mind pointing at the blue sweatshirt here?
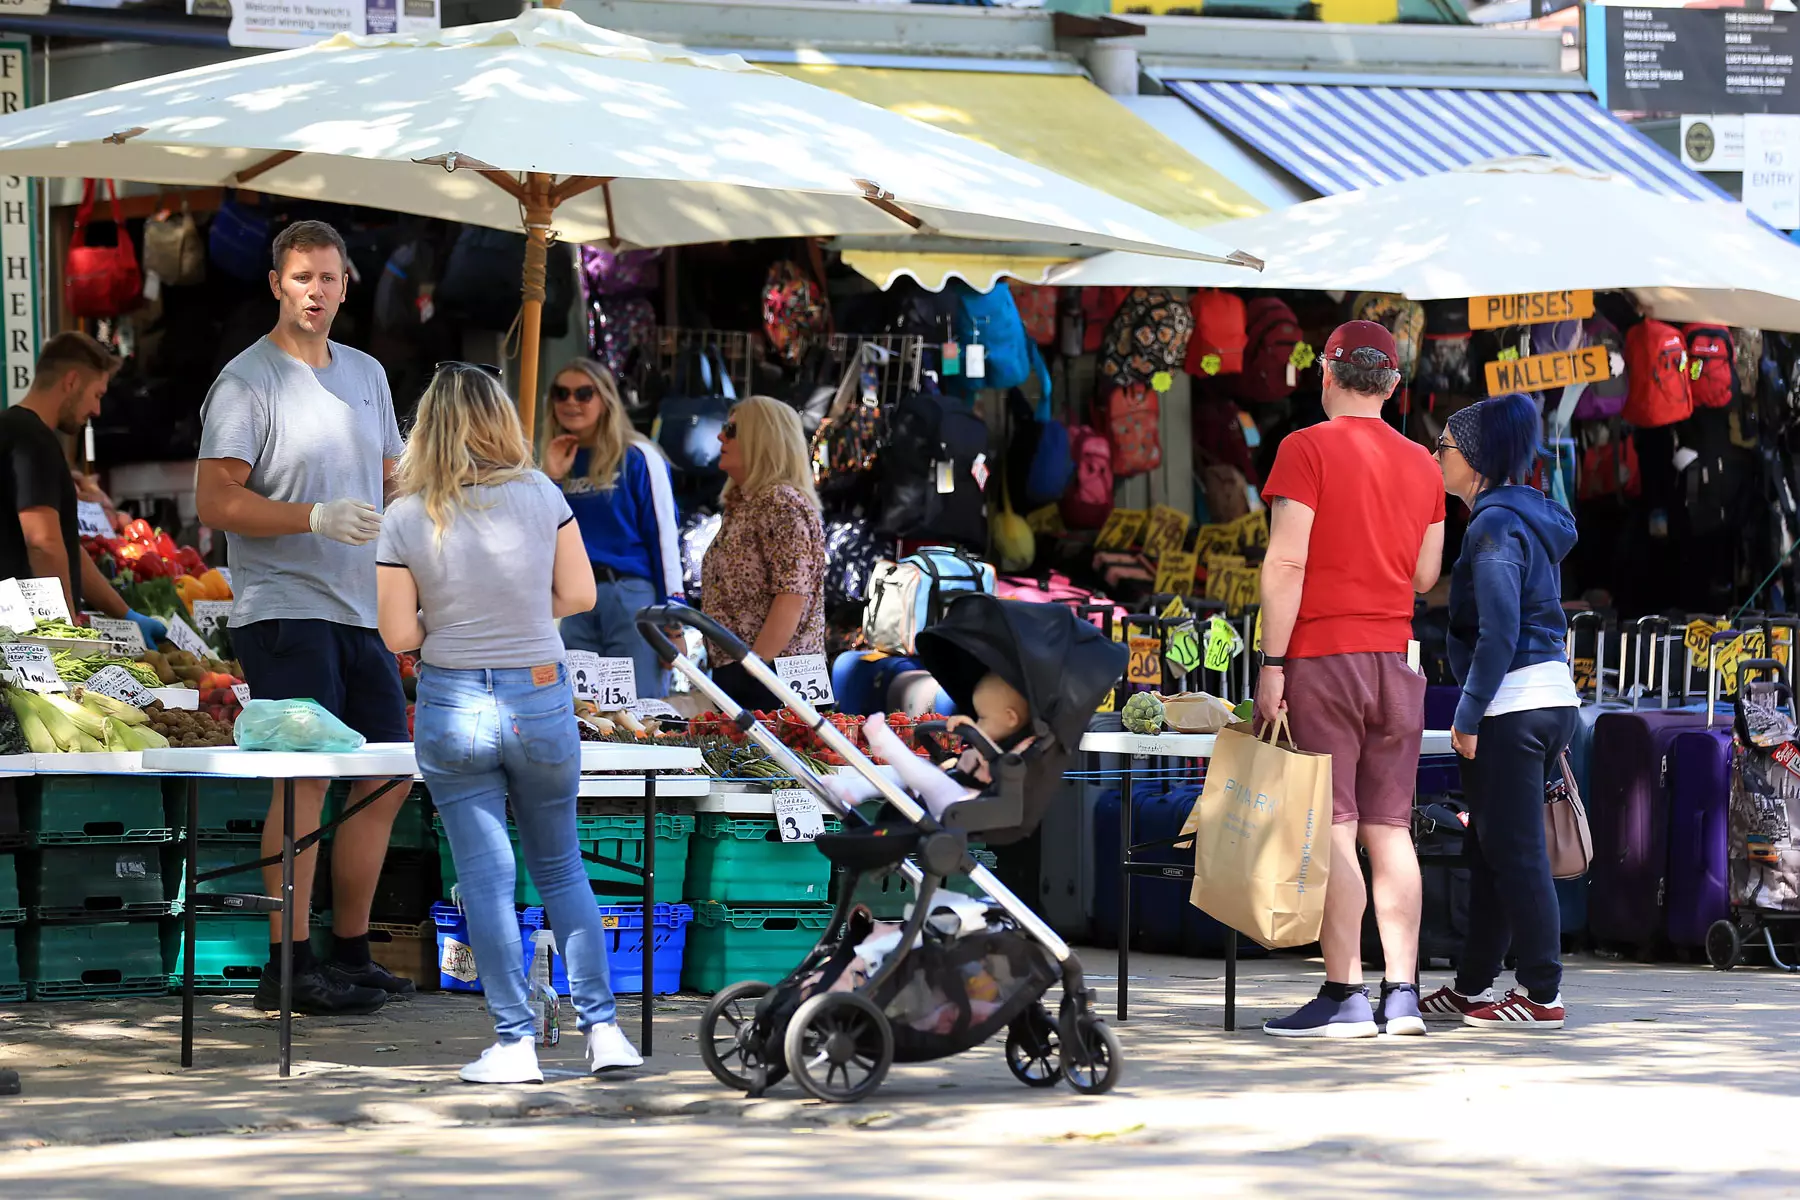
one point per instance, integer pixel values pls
(1506, 593)
(632, 526)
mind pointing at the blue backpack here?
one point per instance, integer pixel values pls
(1040, 459)
(991, 319)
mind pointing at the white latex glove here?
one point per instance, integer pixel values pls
(352, 522)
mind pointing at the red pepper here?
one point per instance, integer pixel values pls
(165, 546)
(140, 531)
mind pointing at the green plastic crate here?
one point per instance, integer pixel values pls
(213, 856)
(614, 837)
(742, 860)
(887, 897)
(12, 909)
(229, 952)
(12, 987)
(118, 958)
(229, 808)
(66, 882)
(413, 825)
(729, 943)
(76, 809)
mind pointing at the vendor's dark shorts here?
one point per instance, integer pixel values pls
(1368, 712)
(345, 668)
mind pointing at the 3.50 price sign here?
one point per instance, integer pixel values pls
(808, 675)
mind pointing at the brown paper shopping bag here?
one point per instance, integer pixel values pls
(1262, 850)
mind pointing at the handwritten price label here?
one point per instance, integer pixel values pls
(117, 629)
(1167, 531)
(1122, 529)
(808, 675)
(1145, 664)
(1175, 572)
(15, 614)
(617, 688)
(212, 616)
(797, 815)
(118, 683)
(33, 668)
(90, 520)
(45, 599)
(184, 637)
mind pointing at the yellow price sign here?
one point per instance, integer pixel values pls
(1145, 664)
(1256, 642)
(1253, 529)
(1175, 572)
(1123, 528)
(1243, 585)
(1215, 539)
(1167, 531)
(1584, 674)
(1699, 637)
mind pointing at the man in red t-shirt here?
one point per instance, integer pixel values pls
(1357, 529)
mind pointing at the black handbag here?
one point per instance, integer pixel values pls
(483, 282)
(693, 411)
(929, 488)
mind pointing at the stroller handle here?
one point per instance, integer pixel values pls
(652, 621)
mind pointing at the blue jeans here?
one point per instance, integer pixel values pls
(610, 630)
(482, 736)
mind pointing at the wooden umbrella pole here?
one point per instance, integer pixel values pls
(539, 208)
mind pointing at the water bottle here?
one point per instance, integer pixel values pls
(546, 1005)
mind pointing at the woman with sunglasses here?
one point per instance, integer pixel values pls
(479, 554)
(764, 574)
(1516, 715)
(617, 484)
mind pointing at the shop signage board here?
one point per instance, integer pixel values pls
(1692, 60)
(20, 213)
(285, 24)
(1772, 169)
(1712, 141)
(1530, 308)
(1590, 364)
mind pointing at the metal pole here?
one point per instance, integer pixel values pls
(1125, 883)
(1230, 979)
(189, 934)
(649, 902)
(287, 927)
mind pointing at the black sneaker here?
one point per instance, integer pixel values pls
(9, 1082)
(371, 975)
(318, 994)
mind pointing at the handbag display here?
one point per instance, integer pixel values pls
(174, 250)
(907, 596)
(239, 240)
(101, 281)
(1566, 834)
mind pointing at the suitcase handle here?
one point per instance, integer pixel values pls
(1783, 692)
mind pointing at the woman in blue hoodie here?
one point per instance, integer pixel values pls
(1516, 715)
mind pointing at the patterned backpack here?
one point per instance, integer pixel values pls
(1403, 318)
(1037, 309)
(1132, 417)
(794, 310)
(1149, 334)
(617, 325)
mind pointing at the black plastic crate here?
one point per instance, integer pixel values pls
(107, 880)
(410, 884)
(87, 961)
(12, 829)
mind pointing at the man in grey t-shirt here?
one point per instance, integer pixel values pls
(297, 445)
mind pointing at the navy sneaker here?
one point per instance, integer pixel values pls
(1398, 1013)
(1322, 1017)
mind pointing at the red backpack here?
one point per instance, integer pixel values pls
(1271, 333)
(1089, 500)
(1659, 389)
(1710, 355)
(1098, 304)
(1037, 309)
(1218, 333)
(1132, 416)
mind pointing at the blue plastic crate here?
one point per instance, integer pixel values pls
(624, 924)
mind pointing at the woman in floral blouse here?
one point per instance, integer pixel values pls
(764, 575)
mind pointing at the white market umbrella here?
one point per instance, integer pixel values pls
(547, 123)
(1512, 225)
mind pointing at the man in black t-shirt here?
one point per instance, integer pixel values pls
(41, 542)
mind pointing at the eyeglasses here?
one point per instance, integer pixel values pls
(1442, 446)
(730, 430)
(456, 364)
(581, 395)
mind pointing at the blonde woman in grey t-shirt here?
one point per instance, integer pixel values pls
(479, 556)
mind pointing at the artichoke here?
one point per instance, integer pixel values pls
(1143, 713)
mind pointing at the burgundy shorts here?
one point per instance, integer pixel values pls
(1368, 712)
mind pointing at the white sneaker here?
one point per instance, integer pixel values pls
(608, 1048)
(506, 1062)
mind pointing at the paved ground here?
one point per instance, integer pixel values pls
(1672, 1081)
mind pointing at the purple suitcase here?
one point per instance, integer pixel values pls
(1699, 794)
(1628, 814)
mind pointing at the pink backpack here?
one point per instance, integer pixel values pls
(1089, 500)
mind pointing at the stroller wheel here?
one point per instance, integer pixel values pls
(839, 1047)
(1033, 1050)
(1724, 945)
(1091, 1059)
(725, 1033)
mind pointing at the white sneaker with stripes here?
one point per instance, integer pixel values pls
(1449, 1004)
(1517, 1011)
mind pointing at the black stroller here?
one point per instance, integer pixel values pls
(943, 987)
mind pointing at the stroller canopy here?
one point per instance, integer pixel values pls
(1061, 664)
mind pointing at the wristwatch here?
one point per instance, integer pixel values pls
(1274, 660)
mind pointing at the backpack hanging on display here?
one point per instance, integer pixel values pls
(933, 472)
(693, 412)
(1037, 456)
(238, 240)
(851, 552)
(404, 294)
(794, 310)
(1133, 419)
(616, 327)
(1656, 363)
(1403, 318)
(1089, 500)
(101, 281)
(1148, 335)
(1272, 334)
(174, 249)
(1098, 306)
(1606, 398)
(619, 272)
(1747, 363)
(991, 320)
(1446, 364)
(845, 446)
(1710, 357)
(909, 595)
(483, 282)
(1037, 309)
(1216, 347)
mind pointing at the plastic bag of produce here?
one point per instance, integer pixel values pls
(293, 725)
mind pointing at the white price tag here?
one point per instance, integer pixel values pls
(32, 667)
(975, 360)
(797, 815)
(15, 614)
(118, 683)
(655, 708)
(242, 692)
(211, 616)
(117, 629)
(184, 637)
(617, 688)
(808, 675)
(45, 598)
(90, 520)
(584, 673)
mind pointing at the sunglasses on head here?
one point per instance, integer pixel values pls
(581, 395)
(456, 364)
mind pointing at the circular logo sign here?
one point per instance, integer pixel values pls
(1700, 142)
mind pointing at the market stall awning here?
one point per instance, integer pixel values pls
(1340, 138)
(934, 269)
